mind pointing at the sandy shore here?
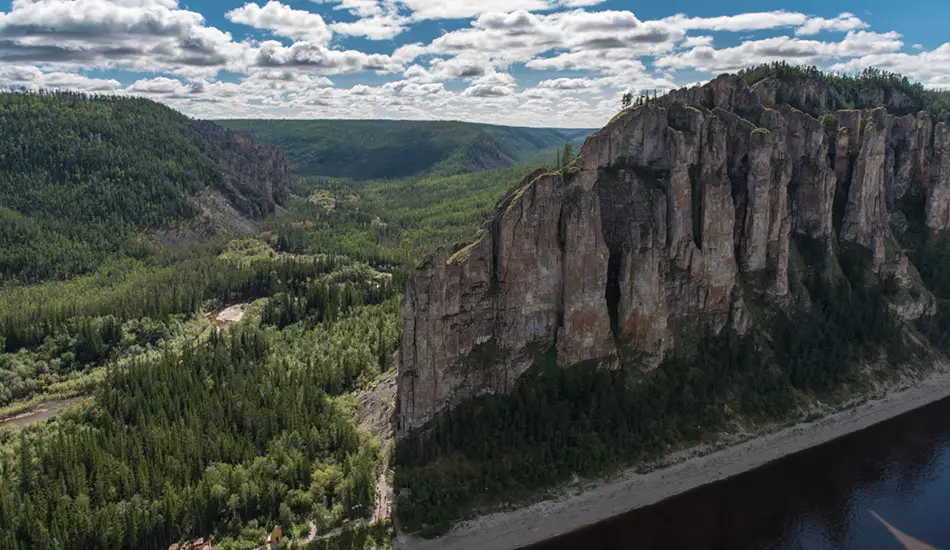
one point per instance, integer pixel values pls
(544, 520)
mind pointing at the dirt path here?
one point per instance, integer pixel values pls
(584, 506)
(42, 412)
(384, 497)
(376, 410)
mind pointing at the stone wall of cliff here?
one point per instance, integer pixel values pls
(255, 176)
(670, 217)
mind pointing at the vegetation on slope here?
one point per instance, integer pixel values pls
(82, 176)
(218, 432)
(860, 91)
(389, 149)
(194, 432)
(390, 224)
(587, 421)
(836, 338)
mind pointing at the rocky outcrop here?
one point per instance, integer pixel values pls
(254, 176)
(668, 219)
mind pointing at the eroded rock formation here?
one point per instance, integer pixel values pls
(671, 215)
(255, 175)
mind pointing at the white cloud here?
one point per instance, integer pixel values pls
(485, 70)
(319, 59)
(283, 20)
(607, 61)
(568, 84)
(377, 27)
(521, 36)
(740, 22)
(782, 48)
(696, 41)
(463, 9)
(360, 8)
(844, 22)
(932, 67)
(128, 34)
(20, 76)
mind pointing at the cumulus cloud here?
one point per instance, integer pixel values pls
(568, 84)
(319, 59)
(283, 20)
(844, 22)
(740, 22)
(782, 48)
(19, 76)
(521, 36)
(499, 66)
(377, 27)
(696, 41)
(932, 67)
(361, 8)
(128, 34)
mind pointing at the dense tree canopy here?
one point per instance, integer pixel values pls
(389, 149)
(862, 90)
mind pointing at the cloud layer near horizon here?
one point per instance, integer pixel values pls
(530, 62)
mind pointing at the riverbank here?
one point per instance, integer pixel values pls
(41, 410)
(631, 490)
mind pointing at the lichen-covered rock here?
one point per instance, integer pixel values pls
(672, 215)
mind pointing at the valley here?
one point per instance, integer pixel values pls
(456, 328)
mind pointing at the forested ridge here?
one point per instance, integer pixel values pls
(389, 149)
(194, 430)
(82, 177)
(867, 89)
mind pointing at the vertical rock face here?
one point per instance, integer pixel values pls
(938, 194)
(865, 217)
(668, 209)
(256, 175)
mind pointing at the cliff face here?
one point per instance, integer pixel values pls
(255, 176)
(672, 217)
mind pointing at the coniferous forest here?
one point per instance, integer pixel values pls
(189, 427)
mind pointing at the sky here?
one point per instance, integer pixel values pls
(547, 63)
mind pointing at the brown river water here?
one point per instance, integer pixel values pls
(885, 487)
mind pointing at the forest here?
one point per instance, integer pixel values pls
(82, 176)
(860, 91)
(390, 149)
(197, 429)
(589, 422)
(194, 430)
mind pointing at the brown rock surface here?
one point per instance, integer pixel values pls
(675, 211)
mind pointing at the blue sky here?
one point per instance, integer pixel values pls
(526, 62)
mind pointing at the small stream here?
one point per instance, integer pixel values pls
(42, 412)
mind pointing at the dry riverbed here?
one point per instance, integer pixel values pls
(42, 411)
(580, 507)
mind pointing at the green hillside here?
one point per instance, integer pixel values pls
(82, 176)
(377, 149)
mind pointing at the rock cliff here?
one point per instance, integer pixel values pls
(255, 176)
(672, 219)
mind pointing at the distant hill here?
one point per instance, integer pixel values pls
(384, 149)
(82, 177)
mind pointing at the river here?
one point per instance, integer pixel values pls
(820, 498)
